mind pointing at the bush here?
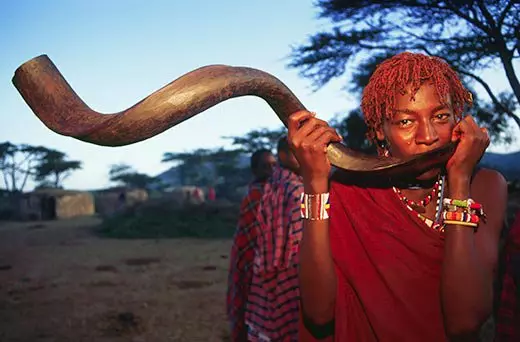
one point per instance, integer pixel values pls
(158, 219)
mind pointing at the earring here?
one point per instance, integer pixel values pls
(383, 149)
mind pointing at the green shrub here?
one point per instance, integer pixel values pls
(158, 219)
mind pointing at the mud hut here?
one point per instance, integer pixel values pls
(111, 200)
(51, 204)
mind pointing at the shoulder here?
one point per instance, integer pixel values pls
(488, 182)
(489, 187)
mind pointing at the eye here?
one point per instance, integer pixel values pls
(442, 116)
(404, 122)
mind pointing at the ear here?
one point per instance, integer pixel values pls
(380, 133)
(282, 156)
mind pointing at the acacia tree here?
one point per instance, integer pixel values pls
(18, 164)
(471, 35)
(53, 168)
(126, 175)
(258, 139)
(193, 166)
(219, 168)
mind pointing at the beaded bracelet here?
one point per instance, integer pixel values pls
(460, 223)
(460, 216)
(315, 206)
(470, 204)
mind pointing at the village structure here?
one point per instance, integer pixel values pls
(55, 204)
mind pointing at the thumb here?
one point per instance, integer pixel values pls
(456, 133)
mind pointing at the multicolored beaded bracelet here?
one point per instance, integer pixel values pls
(460, 216)
(315, 206)
(460, 223)
(469, 205)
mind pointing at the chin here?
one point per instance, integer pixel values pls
(430, 174)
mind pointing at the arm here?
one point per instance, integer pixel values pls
(470, 257)
(317, 274)
(309, 138)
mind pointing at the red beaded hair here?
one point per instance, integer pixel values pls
(395, 74)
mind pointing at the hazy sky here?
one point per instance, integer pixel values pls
(114, 53)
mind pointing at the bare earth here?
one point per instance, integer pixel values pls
(58, 282)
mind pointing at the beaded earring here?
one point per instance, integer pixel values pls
(383, 149)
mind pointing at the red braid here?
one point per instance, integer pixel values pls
(392, 77)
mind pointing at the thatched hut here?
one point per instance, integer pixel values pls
(50, 204)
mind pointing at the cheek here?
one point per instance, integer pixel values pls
(445, 132)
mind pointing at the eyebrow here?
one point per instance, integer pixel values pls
(408, 111)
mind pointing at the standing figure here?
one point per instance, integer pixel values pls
(242, 253)
(508, 315)
(409, 258)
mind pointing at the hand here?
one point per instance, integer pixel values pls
(309, 138)
(473, 141)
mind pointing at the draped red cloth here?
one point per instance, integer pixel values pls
(508, 316)
(388, 267)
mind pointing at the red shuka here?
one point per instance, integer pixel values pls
(508, 316)
(388, 266)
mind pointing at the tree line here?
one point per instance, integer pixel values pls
(219, 168)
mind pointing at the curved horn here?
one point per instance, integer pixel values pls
(58, 106)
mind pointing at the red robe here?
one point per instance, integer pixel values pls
(388, 266)
(508, 316)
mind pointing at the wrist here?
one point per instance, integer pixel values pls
(459, 187)
(316, 185)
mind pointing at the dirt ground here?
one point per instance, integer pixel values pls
(59, 282)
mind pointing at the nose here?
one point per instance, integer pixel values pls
(426, 133)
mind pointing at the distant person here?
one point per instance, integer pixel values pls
(197, 195)
(212, 196)
(508, 315)
(121, 200)
(242, 254)
(272, 304)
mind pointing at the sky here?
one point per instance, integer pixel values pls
(115, 53)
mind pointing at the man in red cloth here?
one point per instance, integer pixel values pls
(242, 251)
(409, 258)
(508, 316)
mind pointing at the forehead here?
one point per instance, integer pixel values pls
(426, 98)
(266, 156)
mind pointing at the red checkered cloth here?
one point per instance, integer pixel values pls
(508, 315)
(241, 261)
(272, 309)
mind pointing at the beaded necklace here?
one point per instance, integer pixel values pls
(438, 189)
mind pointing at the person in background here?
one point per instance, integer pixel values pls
(240, 270)
(508, 315)
(272, 306)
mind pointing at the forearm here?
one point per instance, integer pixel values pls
(317, 274)
(466, 289)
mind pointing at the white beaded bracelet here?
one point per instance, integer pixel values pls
(315, 206)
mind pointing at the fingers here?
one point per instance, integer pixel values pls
(294, 121)
(468, 132)
(457, 132)
(319, 139)
(303, 124)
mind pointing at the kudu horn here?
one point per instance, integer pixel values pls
(58, 106)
